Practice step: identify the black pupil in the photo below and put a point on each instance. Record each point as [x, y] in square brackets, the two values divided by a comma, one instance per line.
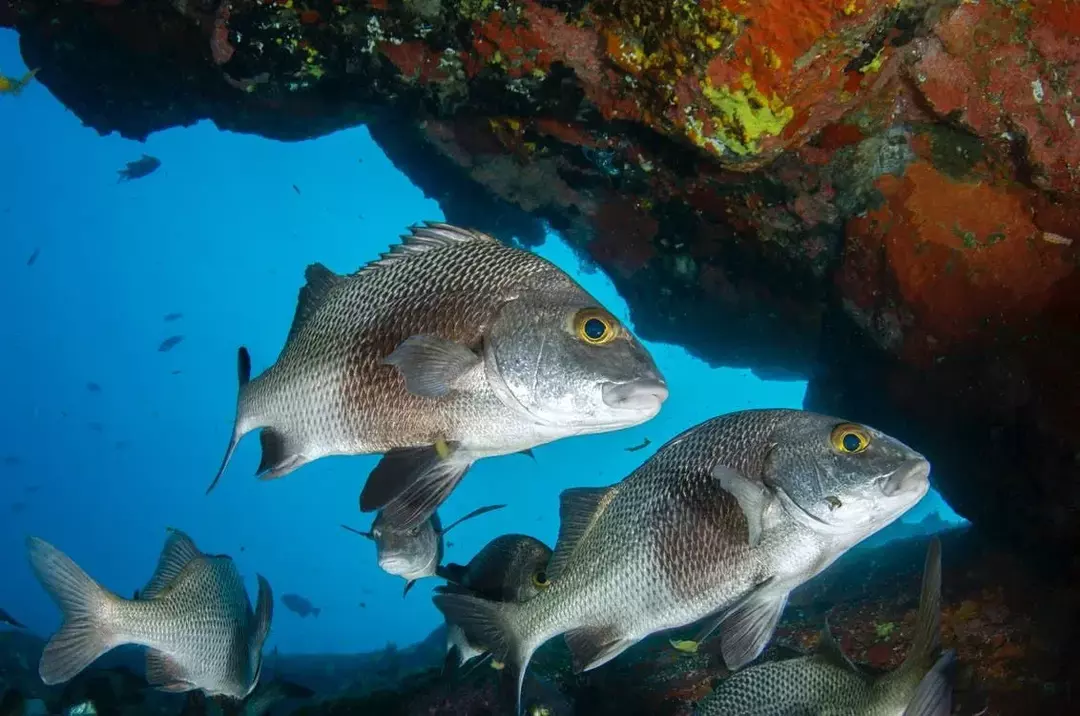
[595, 329]
[852, 442]
[541, 578]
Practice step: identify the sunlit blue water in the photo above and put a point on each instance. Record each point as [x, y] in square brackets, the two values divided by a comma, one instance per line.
[220, 235]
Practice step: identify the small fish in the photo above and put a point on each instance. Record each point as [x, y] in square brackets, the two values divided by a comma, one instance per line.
[6, 618]
[93, 387]
[828, 683]
[193, 614]
[416, 552]
[14, 86]
[96, 427]
[296, 189]
[33, 257]
[687, 646]
[723, 521]
[450, 348]
[169, 343]
[645, 443]
[12, 461]
[176, 372]
[299, 605]
[170, 317]
[139, 168]
[363, 605]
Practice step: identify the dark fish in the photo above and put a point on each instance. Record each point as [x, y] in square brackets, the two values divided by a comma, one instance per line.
[296, 189]
[12, 460]
[170, 317]
[725, 519]
[93, 387]
[299, 605]
[96, 427]
[194, 615]
[177, 372]
[363, 605]
[828, 683]
[450, 348]
[645, 443]
[138, 168]
[6, 618]
[413, 552]
[169, 343]
[33, 257]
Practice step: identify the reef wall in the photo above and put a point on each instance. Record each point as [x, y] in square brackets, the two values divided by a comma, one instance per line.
[878, 195]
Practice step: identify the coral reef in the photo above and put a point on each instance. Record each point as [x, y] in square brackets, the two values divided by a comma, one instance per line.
[879, 196]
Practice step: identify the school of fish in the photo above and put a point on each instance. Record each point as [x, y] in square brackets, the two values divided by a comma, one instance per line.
[453, 347]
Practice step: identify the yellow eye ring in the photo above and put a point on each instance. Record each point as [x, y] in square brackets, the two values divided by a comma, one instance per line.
[540, 580]
[595, 327]
[849, 439]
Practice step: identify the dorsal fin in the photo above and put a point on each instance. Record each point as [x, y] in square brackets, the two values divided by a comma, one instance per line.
[431, 236]
[578, 509]
[177, 553]
[319, 281]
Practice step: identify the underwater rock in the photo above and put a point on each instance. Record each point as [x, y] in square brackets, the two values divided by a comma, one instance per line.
[881, 197]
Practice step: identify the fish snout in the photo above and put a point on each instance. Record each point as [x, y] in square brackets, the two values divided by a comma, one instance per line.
[641, 394]
[912, 476]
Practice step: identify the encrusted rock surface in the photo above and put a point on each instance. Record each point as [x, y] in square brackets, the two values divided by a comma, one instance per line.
[880, 195]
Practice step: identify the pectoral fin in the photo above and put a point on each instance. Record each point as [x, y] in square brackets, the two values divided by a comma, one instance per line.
[431, 365]
[751, 495]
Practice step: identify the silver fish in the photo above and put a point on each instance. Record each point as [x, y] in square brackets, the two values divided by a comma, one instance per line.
[725, 519]
[828, 683]
[450, 348]
[194, 615]
[416, 552]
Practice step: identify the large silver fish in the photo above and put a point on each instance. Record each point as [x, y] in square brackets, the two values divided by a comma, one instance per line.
[416, 552]
[194, 615]
[725, 519]
[828, 683]
[450, 348]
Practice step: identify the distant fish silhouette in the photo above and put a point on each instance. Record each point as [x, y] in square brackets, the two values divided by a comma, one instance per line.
[298, 605]
[139, 168]
[169, 343]
[296, 189]
[33, 257]
[177, 372]
[12, 461]
[96, 427]
[642, 446]
[93, 387]
[6, 618]
[170, 317]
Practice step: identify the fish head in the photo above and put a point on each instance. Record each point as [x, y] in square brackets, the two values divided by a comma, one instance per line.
[567, 362]
[408, 553]
[526, 574]
[842, 478]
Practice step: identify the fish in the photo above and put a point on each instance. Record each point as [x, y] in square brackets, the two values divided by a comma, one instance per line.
[14, 86]
[299, 605]
[12, 461]
[296, 189]
[644, 444]
[139, 168]
[170, 317]
[193, 615]
[450, 348]
[93, 387]
[827, 682]
[169, 343]
[718, 526]
[6, 618]
[33, 257]
[413, 553]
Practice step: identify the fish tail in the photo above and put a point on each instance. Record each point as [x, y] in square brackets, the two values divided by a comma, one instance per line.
[496, 626]
[928, 622]
[243, 372]
[85, 634]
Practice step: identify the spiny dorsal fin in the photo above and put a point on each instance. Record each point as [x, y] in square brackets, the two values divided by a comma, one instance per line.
[177, 553]
[431, 236]
[319, 281]
[579, 507]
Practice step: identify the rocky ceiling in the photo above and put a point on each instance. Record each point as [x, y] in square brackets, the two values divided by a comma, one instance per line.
[878, 195]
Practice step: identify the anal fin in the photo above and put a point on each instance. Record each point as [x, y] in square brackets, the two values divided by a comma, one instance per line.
[280, 456]
[591, 647]
[164, 674]
[409, 484]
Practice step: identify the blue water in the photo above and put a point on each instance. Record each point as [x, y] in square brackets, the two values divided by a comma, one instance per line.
[220, 235]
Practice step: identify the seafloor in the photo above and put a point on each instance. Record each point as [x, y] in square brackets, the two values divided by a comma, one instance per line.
[1014, 634]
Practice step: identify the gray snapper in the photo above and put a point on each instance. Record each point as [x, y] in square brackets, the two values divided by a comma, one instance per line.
[193, 615]
[828, 683]
[724, 520]
[412, 553]
[450, 348]
[509, 568]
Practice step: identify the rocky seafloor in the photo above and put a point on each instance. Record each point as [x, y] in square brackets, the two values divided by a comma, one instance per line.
[1014, 634]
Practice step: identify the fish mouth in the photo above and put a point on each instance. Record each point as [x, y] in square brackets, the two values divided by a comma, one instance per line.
[644, 395]
[911, 477]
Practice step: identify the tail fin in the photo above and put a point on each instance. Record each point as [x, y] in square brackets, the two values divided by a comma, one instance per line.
[243, 372]
[490, 626]
[85, 634]
[928, 623]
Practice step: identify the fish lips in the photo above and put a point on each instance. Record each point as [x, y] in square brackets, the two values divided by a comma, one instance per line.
[643, 396]
[911, 477]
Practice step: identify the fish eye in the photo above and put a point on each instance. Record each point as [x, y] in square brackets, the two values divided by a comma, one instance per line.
[850, 439]
[540, 580]
[595, 327]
